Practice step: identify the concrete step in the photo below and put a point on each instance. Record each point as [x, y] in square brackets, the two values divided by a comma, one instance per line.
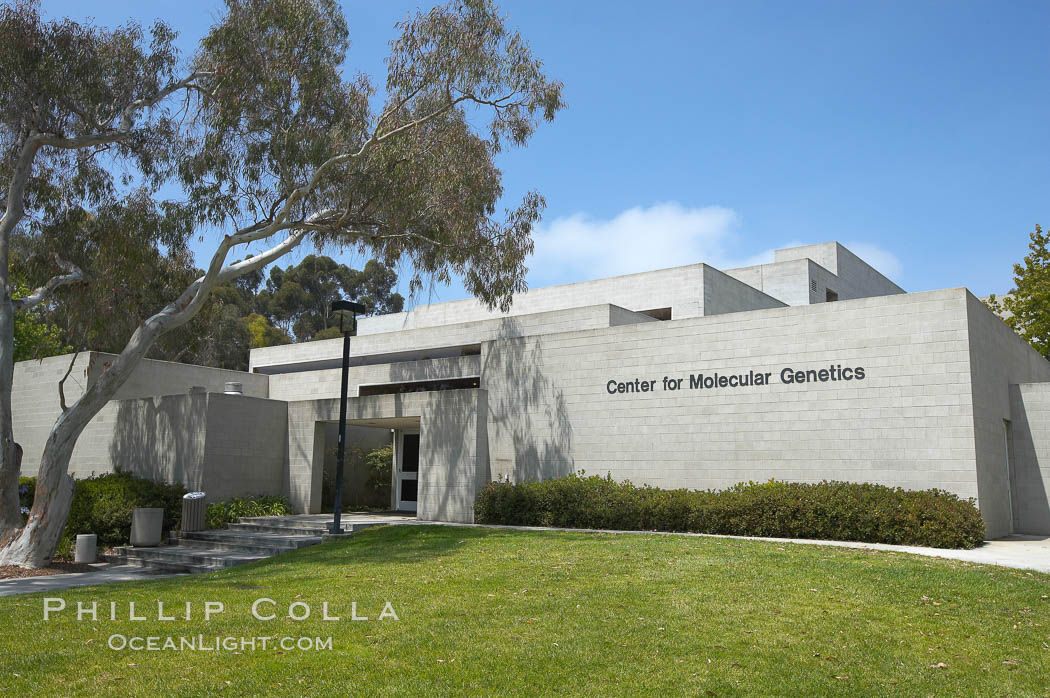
[244, 541]
[249, 540]
[181, 558]
[162, 566]
[279, 524]
[276, 529]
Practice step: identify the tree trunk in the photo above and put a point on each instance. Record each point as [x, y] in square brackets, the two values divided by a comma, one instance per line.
[10, 452]
[34, 545]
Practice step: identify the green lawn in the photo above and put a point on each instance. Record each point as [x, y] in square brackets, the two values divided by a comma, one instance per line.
[487, 611]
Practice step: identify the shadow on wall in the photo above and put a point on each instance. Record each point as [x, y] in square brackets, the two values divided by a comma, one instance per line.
[162, 438]
[1031, 506]
[530, 435]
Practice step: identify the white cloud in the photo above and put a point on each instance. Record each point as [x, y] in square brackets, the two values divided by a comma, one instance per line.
[663, 235]
[580, 247]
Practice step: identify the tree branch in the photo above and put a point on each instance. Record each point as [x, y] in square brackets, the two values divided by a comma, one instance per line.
[62, 383]
[73, 275]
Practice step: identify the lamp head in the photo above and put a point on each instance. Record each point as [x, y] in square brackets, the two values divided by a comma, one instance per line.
[345, 312]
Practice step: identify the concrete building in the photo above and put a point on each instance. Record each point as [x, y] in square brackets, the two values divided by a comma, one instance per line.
[812, 367]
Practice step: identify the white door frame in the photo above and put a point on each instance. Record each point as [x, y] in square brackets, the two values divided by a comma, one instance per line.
[400, 476]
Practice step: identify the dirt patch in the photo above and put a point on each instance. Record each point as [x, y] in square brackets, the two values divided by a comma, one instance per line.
[13, 572]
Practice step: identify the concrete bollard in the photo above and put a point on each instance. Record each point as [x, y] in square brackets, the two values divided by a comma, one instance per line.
[193, 510]
[87, 548]
[147, 524]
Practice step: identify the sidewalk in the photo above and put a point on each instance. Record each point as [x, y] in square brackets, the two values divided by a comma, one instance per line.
[106, 573]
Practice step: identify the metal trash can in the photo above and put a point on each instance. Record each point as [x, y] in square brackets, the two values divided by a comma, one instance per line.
[193, 509]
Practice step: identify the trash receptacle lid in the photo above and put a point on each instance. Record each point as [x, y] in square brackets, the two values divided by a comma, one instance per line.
[193, 495]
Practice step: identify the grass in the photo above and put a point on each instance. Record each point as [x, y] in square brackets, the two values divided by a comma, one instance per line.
[499, 612]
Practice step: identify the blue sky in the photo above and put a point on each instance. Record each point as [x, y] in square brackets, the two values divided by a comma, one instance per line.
[915, 133]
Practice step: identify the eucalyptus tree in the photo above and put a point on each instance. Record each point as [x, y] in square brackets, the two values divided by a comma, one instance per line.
[298, 298]
[267, 142]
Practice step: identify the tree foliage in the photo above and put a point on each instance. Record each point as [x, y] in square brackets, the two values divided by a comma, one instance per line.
[35, 337]
[1027, 307]
[298, 299]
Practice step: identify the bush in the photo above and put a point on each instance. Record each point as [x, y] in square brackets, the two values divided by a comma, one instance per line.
[379, 462]
[102, 505]
[219, 514]
[825, 510]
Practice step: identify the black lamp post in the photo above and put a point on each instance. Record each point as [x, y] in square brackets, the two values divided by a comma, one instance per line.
[347, 312]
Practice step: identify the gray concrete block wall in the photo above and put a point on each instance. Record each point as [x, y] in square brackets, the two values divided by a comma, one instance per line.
[622, 316]
[289, 356]
[245, 450]
[313, 385]
[152, 377]
[909, 423]
[788, 282]
[1030, 421]
[855, 277]
[223, 445]
[35, 401]
[678, 288]
[998, 358]
[160, 438]
[36, 406]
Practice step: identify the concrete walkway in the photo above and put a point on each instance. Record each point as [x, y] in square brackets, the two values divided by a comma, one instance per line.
[105, 573]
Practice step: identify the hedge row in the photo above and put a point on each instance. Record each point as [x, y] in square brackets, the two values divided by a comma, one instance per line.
[825, 510]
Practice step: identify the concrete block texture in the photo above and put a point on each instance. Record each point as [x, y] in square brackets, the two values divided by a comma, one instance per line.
[908, 422]
[35, 397]
[804, 275]
[223, 445]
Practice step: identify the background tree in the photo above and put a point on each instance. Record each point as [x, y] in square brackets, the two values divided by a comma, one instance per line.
[298, 299]
[265, 141]
[1027, 307]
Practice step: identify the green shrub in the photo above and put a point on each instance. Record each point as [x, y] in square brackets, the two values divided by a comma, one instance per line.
[379, 462]
[826, 510]
[102, 504]
[218, 514]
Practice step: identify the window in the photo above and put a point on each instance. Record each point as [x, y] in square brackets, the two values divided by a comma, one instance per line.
[419, 386]
[830, 295]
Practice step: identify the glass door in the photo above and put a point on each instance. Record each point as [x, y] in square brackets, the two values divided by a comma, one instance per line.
[407, 471]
